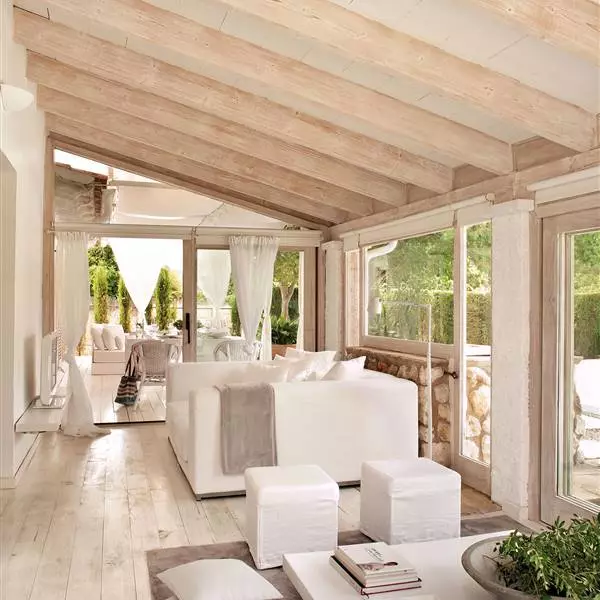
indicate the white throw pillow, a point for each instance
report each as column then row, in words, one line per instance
column 302, row 369
column 96, row 331
column 265, row 373
column 346, row 370
column 108, row 337
column 120, row 341
column 323, row 360
column 222, row 579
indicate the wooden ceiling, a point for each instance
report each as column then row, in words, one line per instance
column 319, row 112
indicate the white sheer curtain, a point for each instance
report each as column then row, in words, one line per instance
column 214, row 272
column 73, row 305
column 252, row 262
column 140, row 261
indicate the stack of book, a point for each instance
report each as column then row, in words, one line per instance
column 374, row 569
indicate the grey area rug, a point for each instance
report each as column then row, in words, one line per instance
column 166, row 558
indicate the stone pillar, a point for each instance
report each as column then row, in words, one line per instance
column 334, row 295
column 511, row 263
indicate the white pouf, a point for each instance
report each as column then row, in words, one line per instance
column 411, row 500
column 289, row 509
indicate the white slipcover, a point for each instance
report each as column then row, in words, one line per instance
column 288, row 510
column 336, row 425
column 412, row 500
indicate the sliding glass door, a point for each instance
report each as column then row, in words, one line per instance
column 570, row 454
column 473, row 333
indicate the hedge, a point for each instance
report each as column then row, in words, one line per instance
column 403, row 324
column 587, row 325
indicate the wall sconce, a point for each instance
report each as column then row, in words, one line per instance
column 13, row 98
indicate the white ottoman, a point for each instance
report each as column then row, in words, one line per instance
column 289, row 509
column 409, row 500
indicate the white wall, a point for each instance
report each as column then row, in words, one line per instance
column 22, row 140
column 511, row 306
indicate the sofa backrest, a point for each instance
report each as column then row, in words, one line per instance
column 182, row 378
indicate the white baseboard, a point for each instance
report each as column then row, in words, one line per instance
column 9, row 483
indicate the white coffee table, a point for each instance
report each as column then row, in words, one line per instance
column 438, row 564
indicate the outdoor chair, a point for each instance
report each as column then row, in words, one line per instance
column 237, row 350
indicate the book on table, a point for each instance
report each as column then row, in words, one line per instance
column 375, row 568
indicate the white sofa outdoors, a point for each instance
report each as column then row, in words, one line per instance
column 109, row 353
column 336, row 425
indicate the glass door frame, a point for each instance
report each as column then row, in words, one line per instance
column 556, row 346
column 309, row 287
column 474, row 473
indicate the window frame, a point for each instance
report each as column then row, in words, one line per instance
column 480, row 210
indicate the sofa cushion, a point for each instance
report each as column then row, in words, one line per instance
column 323, row 360
column 259, row 372
column 109, row 356
column 346, row 370
column 300, row 369
column 96, row 331
column 220, row 579
column 109, row 334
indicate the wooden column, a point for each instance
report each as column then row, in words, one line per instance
column 352, row 274
column 48, row 242
column 309, row 298
column 334, row 296
column 189, row 300
column 320, row 307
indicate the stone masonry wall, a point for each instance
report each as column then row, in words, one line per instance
column 414, row 368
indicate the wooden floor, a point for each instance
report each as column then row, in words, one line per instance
column 85, row 512
column 102, row 390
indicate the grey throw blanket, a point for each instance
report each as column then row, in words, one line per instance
column 247, row 427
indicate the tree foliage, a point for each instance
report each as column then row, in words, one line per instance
column 586, row 251
column 103, row 255
column 286, row 276
column 164, row 294
column 100, row 292
column 125, row 306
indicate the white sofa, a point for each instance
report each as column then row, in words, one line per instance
column 334, row 424
column 105, row 360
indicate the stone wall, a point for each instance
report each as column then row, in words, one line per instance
column 414, row 368
column 477, row 441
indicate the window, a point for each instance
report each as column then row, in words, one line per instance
column 409, row 272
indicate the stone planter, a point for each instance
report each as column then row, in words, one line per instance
column 280, row 349
column 477, row 563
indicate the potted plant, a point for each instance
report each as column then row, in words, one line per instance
column 562, row 562
column 284, row 335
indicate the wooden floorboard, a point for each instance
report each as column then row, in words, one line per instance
column 86, row 510
column 102, row 389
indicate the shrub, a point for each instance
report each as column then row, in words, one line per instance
column 562, row 562
column 587, row 325
column 163, row 300
column 100, row 287
column 124, row 307
column 149, row 312
column 283, row 332
column 236, row 326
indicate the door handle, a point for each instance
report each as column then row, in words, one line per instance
column 187, row 327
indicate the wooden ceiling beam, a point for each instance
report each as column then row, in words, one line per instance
column 187, row 37
column 397, row 53
column 146, row 132
column 122, row 153
column 214, row 130
column 126, row 67
column 572, row 25
column 502, row 188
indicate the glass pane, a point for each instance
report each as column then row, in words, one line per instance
column 477, row 342
column 413, row 271
column 216, row 307
column 217, row 313
column 579, row 468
